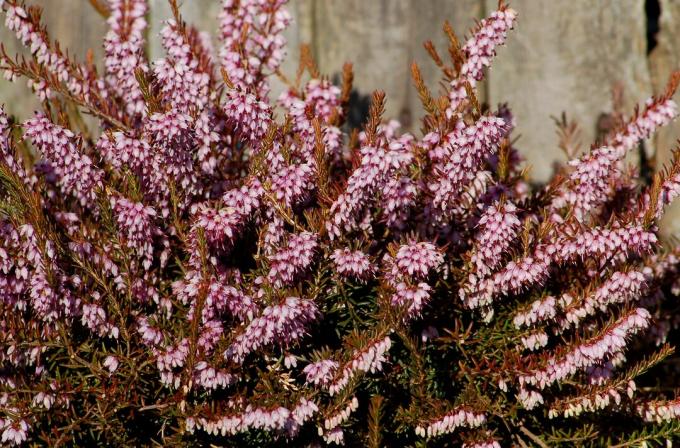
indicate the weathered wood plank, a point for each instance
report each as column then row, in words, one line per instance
column 381, row 38
column 75, row 24
column 663, row 60
column 566, row 56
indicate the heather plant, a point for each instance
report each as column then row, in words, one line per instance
column 197, row 264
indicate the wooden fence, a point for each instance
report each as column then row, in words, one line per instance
column 564, row 56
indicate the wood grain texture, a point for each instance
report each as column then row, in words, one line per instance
column 663, row 60
column 566, row 56
column 382, row 38
column 75, row 24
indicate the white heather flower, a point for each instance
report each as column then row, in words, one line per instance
column 111, row 363
column 449, row 422
column 290, row 361
column 534, row 341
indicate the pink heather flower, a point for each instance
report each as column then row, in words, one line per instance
column 498, row 228
column 352, row 264
column 122, row 151
column 591, row 179
column 124, row 51
column 457, row 418
column 340, row 417
column 621, row 287
column 209, row 335
column 211, row 378
column 660, row 411
column 245, row 200
column 7, row 154
column 223, row 297
column 44, row 400
column 416, row 260
column 603, row 244
column 204, row 128
column 469, row 148
column 609, row 342
column 181, row 82
column 290, row 361
column 250, row 117
column 412, row 297
column 264, row 45
column 298, row 110
column 135, row 224
column 173, row 356
column 369, row 359
column 273, row 235
column 399, row 197
column 76, row 174
column 220, row 298
column 221, row 226
column 323, row 97
column 281, row 324
column 370, row 177
column 279, row 418
column 271, row 419
column 599, row 374
column 481, row 47
column 330, row 425
column 320, row 372
column 292, row 184
column 276, row 418
column 513, row 278
column 14, row 432
column 150, row 335
column 473, row 195
column 657, row 113
column 224, row 425
column 590, row 184
column 293, row 259
column 479, row 50
column 170, row 358
column 539, row 311
column 171, row 136
column 302, row 413
column 95, row 319
column 111, row 363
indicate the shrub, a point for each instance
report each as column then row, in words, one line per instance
column 207, row 267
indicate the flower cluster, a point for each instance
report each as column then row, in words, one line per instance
column 124, row 49
column 448, row 423
column 73, row 172
column 283, row 323
column 352, row 264
column 205, row 266
column 330, row 430
column 479, row 50
column 368, row 359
